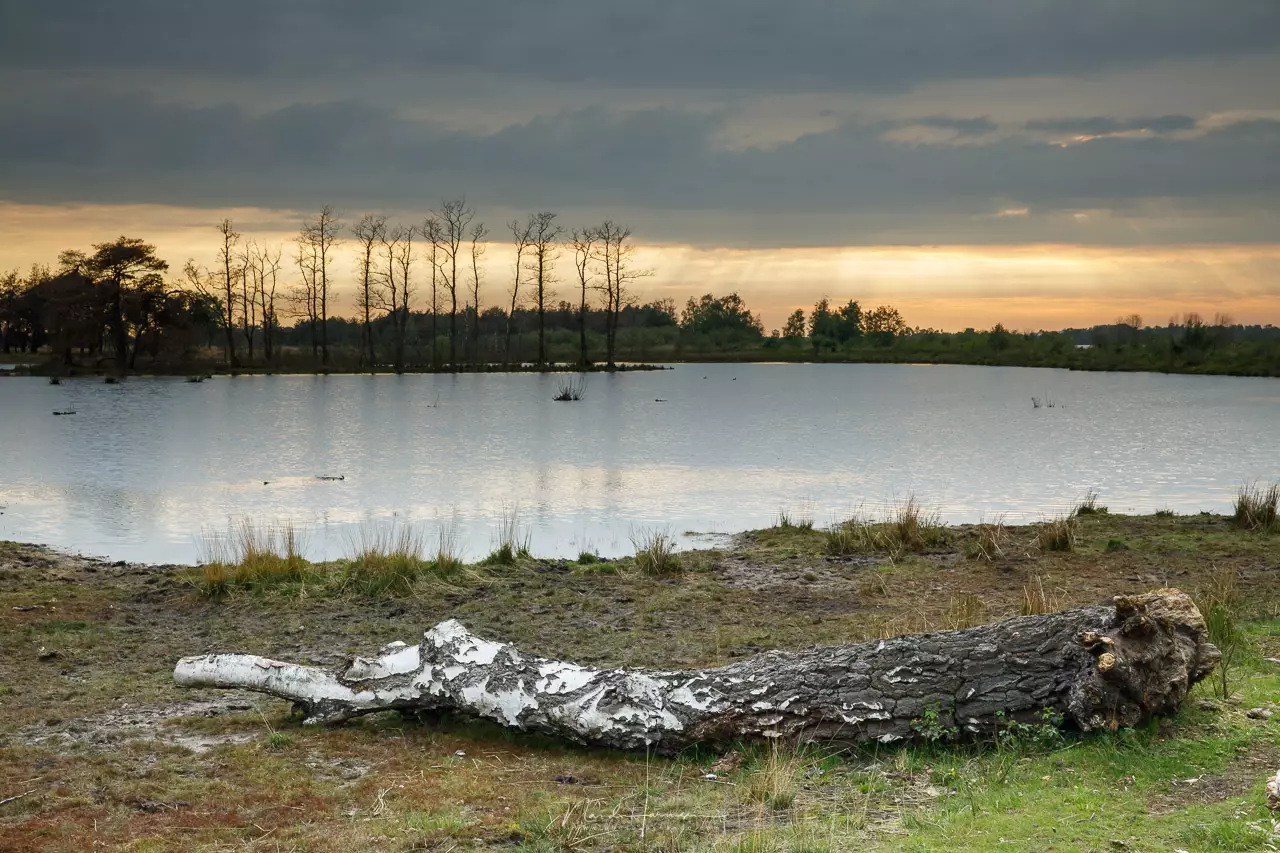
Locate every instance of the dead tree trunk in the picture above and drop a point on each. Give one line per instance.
(1099, 667)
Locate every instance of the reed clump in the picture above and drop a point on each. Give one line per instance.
(1255, 508)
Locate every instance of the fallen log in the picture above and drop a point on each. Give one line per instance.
(1097, 667)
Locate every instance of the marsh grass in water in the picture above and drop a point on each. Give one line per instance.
(1256, 507)
(571, 390)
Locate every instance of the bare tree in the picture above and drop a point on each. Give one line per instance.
(250, 287)
(269, 264)
(227, 296)
(584, 240)
(370, 231)
(521, 236)
(544, 247)
(455, 218)
(617, 256)
(321, 234)
(393, 296)
(306, 296)
(434, 234)
(478, 233)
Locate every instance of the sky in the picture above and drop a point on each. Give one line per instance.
(1040, 163)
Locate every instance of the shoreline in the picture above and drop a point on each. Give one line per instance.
(88, 701)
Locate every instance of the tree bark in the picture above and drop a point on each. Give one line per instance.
(1098, 667)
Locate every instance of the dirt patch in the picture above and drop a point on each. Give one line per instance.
(1246, 773)
(744, 571)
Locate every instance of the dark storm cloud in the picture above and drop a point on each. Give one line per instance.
(756, 45)
(1100, 125)
(292, 103)
(979, 126)
(132, 149)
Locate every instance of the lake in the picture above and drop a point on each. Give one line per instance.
(144, 468)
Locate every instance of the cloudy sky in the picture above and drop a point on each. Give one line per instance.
(1035, 162)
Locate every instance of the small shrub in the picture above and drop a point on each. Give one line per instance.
(933, 728)
(1256, 508)
(1089, 506)
(1058, 534)
(1043, 735)
(656, 553)
(1116, 545)
(1165, 512)
(586, 558)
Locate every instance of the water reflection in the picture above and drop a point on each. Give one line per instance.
(144, 466)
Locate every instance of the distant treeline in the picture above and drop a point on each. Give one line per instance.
(118, 308)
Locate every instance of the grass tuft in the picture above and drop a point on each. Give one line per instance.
(989, 541)
(513, 540)
(386, 559)
(966, 611)
(1089, 505)
(1059, 534)
(252, 555)
(775, 779)
(656, 553)
(1255, 508)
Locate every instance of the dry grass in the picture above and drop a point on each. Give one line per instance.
(966, 611)
(1256, 508)
(775, 779)
(656, 552)
(1037, 600)
(989, 541)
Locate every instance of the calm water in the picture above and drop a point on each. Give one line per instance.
(142, 468)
